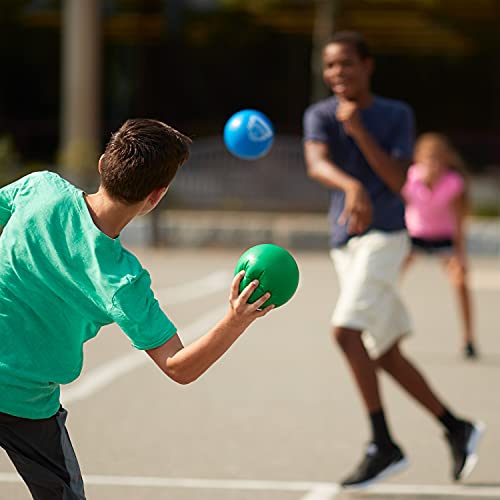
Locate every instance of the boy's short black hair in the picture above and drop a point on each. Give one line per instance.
(143, 155)
(352, 38)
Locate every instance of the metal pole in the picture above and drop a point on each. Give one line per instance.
(80, 107)
(324, 24)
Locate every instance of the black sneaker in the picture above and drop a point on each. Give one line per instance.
(463, 444)
(377, 464)
(470, 351)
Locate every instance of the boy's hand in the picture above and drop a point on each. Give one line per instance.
(240, 310)
(348, 114)
(358, 210)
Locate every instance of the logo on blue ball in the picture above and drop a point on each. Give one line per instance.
(248, 134)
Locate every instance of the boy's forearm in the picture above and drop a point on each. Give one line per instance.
(190, 362)
(331, 176)
(390, 170)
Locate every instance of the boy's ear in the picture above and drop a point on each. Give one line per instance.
(99, 165)
(156, 195)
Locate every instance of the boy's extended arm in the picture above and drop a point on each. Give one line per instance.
(358, 208)
(186, 364)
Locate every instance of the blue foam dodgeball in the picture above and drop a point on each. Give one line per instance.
(248, 134)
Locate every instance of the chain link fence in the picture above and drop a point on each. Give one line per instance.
(214, 179)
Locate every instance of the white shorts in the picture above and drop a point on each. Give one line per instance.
(368, 268)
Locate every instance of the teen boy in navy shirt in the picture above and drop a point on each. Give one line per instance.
(358, 145)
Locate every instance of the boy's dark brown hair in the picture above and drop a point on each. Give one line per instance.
(143, 155)
(353, 38)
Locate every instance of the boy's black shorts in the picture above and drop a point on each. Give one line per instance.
(43, 455)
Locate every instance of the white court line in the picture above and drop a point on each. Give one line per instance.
(100, 377)
(436, 489)
(323, 492)
(218, 280)
(382, 490)
(187, 483)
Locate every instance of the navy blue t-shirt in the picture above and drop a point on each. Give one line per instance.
(392, 125)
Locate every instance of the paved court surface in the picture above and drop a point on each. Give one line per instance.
(278, 417)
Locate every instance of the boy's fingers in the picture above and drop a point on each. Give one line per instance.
(261, 300)
(249, 289)
(353, 224)
(235, 285)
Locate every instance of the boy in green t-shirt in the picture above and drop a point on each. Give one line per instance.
(64, 274)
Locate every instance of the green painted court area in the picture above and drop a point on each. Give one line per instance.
(278, 417)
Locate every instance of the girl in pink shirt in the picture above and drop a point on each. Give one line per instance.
(435, 193)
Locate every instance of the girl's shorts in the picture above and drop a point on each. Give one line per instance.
(432, 246)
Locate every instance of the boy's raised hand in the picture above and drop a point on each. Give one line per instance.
(241, 311)
(348, 114)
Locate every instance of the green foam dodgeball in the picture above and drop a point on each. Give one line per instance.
(276, 270)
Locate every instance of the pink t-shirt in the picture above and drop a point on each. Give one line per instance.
(429, 212)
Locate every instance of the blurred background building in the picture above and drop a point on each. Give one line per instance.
(74, 70)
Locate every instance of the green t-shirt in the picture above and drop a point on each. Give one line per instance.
(61, 280)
